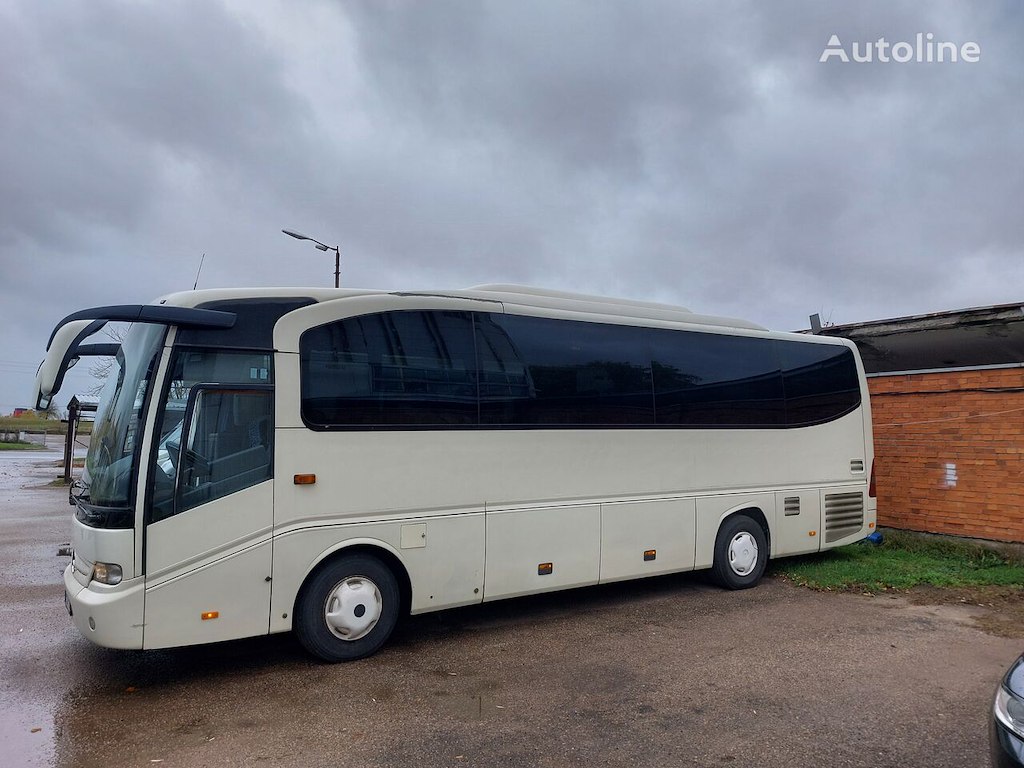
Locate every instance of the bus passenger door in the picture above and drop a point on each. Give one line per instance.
(208, 538)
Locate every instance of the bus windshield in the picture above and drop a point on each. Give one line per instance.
(115, 433)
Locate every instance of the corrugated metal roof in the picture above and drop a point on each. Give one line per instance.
(962, 338)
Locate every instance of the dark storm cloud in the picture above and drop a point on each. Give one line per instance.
(708, 147)
(107, 92)
(697, 153)
(574, 83)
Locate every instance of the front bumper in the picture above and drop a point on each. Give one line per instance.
(108, 616)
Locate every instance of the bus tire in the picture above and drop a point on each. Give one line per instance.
(348, 608)
(741, 553)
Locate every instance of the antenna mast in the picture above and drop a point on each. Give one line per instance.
(199, 272)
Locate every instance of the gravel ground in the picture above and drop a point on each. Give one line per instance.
(663, 672)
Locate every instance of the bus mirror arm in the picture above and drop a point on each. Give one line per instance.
(65, 350)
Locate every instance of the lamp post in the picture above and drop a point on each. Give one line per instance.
(320, 246)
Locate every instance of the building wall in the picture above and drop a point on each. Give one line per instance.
(949, 452)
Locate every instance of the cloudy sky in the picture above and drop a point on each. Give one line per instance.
(690, 152)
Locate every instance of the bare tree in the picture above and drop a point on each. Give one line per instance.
(101, 367)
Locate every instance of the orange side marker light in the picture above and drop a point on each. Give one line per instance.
(207, 615)
(305, 479)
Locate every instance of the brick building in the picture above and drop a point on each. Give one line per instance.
(947, 400)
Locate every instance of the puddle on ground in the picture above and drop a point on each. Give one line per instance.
(26, 735)
(468, 707)
(18, 469)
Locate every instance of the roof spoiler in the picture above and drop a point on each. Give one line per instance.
(65, 346)
(151, 313)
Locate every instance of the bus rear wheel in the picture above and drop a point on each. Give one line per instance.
(741, 553)
(348, 608)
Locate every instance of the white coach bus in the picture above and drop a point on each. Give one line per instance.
(327, 461)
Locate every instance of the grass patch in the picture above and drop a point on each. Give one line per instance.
(903, 561)
(18, 445)
(36, 426)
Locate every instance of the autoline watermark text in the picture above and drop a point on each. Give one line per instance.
(924, 50)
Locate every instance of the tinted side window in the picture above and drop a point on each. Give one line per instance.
(821, 382)
(538, 371)
(714, 380)
(394, 368)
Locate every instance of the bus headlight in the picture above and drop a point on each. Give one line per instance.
(106, 573)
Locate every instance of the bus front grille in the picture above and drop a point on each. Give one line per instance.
(844, 515)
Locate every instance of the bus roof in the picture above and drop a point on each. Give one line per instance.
(509, 294)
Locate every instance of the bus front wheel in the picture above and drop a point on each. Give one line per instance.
(348, 608)
(741, 553)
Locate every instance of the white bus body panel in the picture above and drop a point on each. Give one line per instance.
(104, 545)
(535, 485)
(520, 540)
(111, 617)
(210, 531)
(798, 530)
(630, 529)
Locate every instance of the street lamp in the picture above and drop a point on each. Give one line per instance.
(322, 247)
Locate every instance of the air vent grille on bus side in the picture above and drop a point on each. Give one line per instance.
(844, 514)
(792, 505)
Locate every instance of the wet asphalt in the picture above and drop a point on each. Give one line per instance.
(663, 672)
